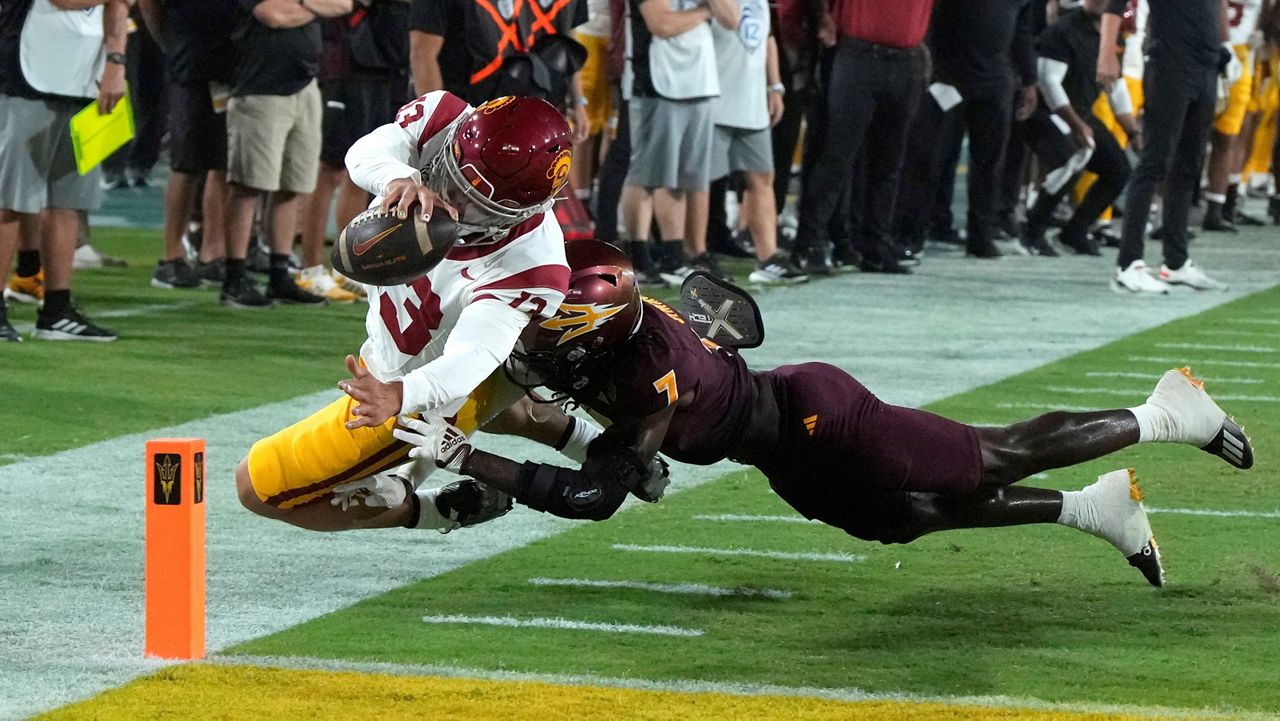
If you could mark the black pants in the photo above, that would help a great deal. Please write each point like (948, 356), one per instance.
(612, 174)
(1176, 122)
(1108, 162)
(148, 92)
(872, 96)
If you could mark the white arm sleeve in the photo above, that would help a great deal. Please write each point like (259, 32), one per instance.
(1051, 74)
(481, 341)
(1121, 103)
(381, 157)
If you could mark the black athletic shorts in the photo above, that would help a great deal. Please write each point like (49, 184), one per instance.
(197, 135)
(354, 107)
(850, 460)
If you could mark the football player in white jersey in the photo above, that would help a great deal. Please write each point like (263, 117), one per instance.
(433, 344)
(1230, 141)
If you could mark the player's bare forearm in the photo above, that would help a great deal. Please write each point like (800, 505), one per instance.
(115, 26)
(664, 22)
(329, 8)
(497, 472)
(726, 13)
(424, 61)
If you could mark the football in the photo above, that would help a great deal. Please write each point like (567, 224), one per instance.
(378, 248)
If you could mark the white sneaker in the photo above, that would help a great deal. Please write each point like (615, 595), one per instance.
(88, 257)
(1138, 279)
(1189, 415)
(349, 285)
(1111, 509)
(1190, 275)
(776, 270)
(317, 279)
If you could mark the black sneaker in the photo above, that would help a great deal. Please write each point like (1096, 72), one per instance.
(813, 260)
(288, 292)
(174, 274)
(8, 334)
(1215, 221)
(70, 325)
(258, 260)
(845, 258)
(651, 280)
(211, 274)
(1244, 219)
(1273, 208)
(242, 293)
(1037, 244)
(1080, 244)
(986, 251)
(776, 270)
(889, 266)
(730, 245)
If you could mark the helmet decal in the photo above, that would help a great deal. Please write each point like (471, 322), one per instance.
(490, 106)
(477, 181)
(558, 173)
(578, 319)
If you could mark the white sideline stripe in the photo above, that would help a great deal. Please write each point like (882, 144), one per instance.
(1216, 514)
(1210, 346)
(304, 663)
(780, 555)
(752, 518)
(1209, 362)
(1140, 393)
(1255, 321)
(563, 624)
(1038, 406)
(687, 589)
(1156, 376)
(1238, 333)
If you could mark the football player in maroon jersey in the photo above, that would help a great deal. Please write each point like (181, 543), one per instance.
(828, 446)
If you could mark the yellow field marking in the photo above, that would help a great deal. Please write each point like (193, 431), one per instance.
(252, 692)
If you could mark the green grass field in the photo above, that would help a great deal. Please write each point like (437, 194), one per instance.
(1044, 612)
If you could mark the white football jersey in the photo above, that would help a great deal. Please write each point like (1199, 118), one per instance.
(1242, 19)
(504, 282)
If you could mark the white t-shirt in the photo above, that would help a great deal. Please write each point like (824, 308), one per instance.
(684, 67)
(740, 58)
(61, 51)
(444, 333)
(1242, 19)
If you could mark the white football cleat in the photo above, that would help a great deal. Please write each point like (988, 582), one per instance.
(1191, 276)
(1137, 279)
(1111, 509)
(1191, 416)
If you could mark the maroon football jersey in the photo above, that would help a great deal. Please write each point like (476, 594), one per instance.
(665, 361)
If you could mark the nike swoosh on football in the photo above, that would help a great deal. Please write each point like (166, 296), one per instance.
(361, 247)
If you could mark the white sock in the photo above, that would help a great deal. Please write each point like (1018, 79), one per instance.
(1154, 423)
(429, 517)
(579, 438)
(1070, 513)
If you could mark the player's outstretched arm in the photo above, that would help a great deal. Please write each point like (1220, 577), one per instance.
(620, 461)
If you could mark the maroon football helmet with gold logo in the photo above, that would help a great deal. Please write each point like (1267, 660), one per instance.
(600, 310)
(502, 164)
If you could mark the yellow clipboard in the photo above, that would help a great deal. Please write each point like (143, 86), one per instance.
(94, 136)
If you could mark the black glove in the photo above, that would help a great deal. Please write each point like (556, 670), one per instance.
(470, 502)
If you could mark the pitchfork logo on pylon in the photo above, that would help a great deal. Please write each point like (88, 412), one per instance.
(168, 470)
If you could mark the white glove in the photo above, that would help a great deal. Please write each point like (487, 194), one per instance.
(438, 442)
(380, 490)
(1234, 69)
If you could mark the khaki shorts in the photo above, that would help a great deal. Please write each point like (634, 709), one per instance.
(273, 141)
(37, 162)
